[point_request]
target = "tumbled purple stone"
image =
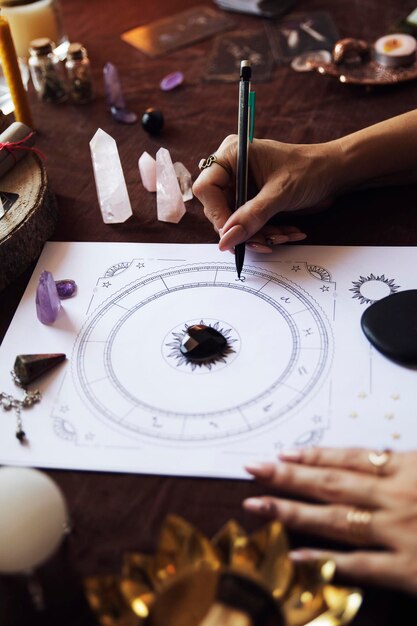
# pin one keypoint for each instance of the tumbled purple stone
(66, 288)
(48, 303)
(171, 81)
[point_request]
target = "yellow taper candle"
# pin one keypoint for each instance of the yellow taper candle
(12, 75)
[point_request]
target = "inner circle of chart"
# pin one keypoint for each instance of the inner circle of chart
(284, 349)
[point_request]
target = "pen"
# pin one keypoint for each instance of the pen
(244, 120)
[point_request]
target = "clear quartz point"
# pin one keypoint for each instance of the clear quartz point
(184, 180)
(110, 181)
(147, 170)
(169, 202)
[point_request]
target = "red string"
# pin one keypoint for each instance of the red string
(12, 146)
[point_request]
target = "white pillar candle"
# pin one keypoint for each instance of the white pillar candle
(395, 50)
(31, 19)
(33, 518)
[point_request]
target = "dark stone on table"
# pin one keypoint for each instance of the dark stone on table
(152, 121)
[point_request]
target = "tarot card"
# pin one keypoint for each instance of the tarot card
(176, 31)
(229, 50)
(300, 33)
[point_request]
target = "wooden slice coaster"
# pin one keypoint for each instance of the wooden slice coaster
(29, 221)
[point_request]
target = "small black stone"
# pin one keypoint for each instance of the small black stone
(390, 325)
(202, 343)
(152, 121)
(21, 435)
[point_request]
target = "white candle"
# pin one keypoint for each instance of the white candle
(395, 50)
(33, 518)
(31, 19)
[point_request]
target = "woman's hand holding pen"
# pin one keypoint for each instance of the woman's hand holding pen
(288, 178)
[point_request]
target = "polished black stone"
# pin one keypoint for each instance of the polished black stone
(390, 325)
(202, 343)
(152, 121)
(29, 367)
(21, 436)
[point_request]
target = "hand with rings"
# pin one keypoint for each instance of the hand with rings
(362, 497)
(287, 178)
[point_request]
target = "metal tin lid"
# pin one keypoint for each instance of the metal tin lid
(41, 46)
(76, 51)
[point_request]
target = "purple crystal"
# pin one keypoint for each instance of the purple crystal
(114, 96)
(123, 115)
(171, 81)
(66, 288)
(48, 303)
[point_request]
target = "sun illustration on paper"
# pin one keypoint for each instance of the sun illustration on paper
(369, 289)
(172, 347)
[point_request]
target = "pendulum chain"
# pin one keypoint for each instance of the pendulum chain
(9, 402)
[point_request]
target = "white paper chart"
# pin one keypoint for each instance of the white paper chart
(296, 371)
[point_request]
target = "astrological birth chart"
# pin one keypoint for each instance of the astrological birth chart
(295, 369)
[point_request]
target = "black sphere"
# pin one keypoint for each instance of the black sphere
(152, 121)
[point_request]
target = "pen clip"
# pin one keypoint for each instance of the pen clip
(252, 99)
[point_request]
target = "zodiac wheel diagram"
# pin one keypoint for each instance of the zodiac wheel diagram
(130, 371)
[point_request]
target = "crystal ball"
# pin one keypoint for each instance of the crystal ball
(152, 121)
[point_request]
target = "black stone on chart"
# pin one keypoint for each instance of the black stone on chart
(390, 325)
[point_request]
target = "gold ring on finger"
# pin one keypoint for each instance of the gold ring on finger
(378, 459)
(205, 163)
(359, 524)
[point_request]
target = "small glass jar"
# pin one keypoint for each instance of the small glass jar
(78, 70)
(31, 19)
(46, 71)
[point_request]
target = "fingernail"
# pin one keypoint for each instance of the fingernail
(277, 239)
(297, 236)
(260, 470)
(258, 247)
(236, 234)
(290, 455)
(303, 555)
(220, 231)
(254, 504)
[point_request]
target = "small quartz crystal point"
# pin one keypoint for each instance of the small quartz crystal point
(29, 367)
(169, 202)
(184, 180)
(66, 288)
(110, 181)
(48, 303)
(114, 96)
(147, 171)
(201, 343)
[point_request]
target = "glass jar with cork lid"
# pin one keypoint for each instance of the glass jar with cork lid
(78, 69)
(32, 19)
(46, 71)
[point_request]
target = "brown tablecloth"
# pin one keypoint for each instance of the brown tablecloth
(112, 513)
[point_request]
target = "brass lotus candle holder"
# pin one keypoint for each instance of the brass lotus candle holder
(232, 580)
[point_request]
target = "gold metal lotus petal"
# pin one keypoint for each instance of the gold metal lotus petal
(316, 572)
(107, 602)
(305, 600)
(274, 566)
(302, 605)
(232, 545)
(343, 604)
(136, 584)
(180, 545)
